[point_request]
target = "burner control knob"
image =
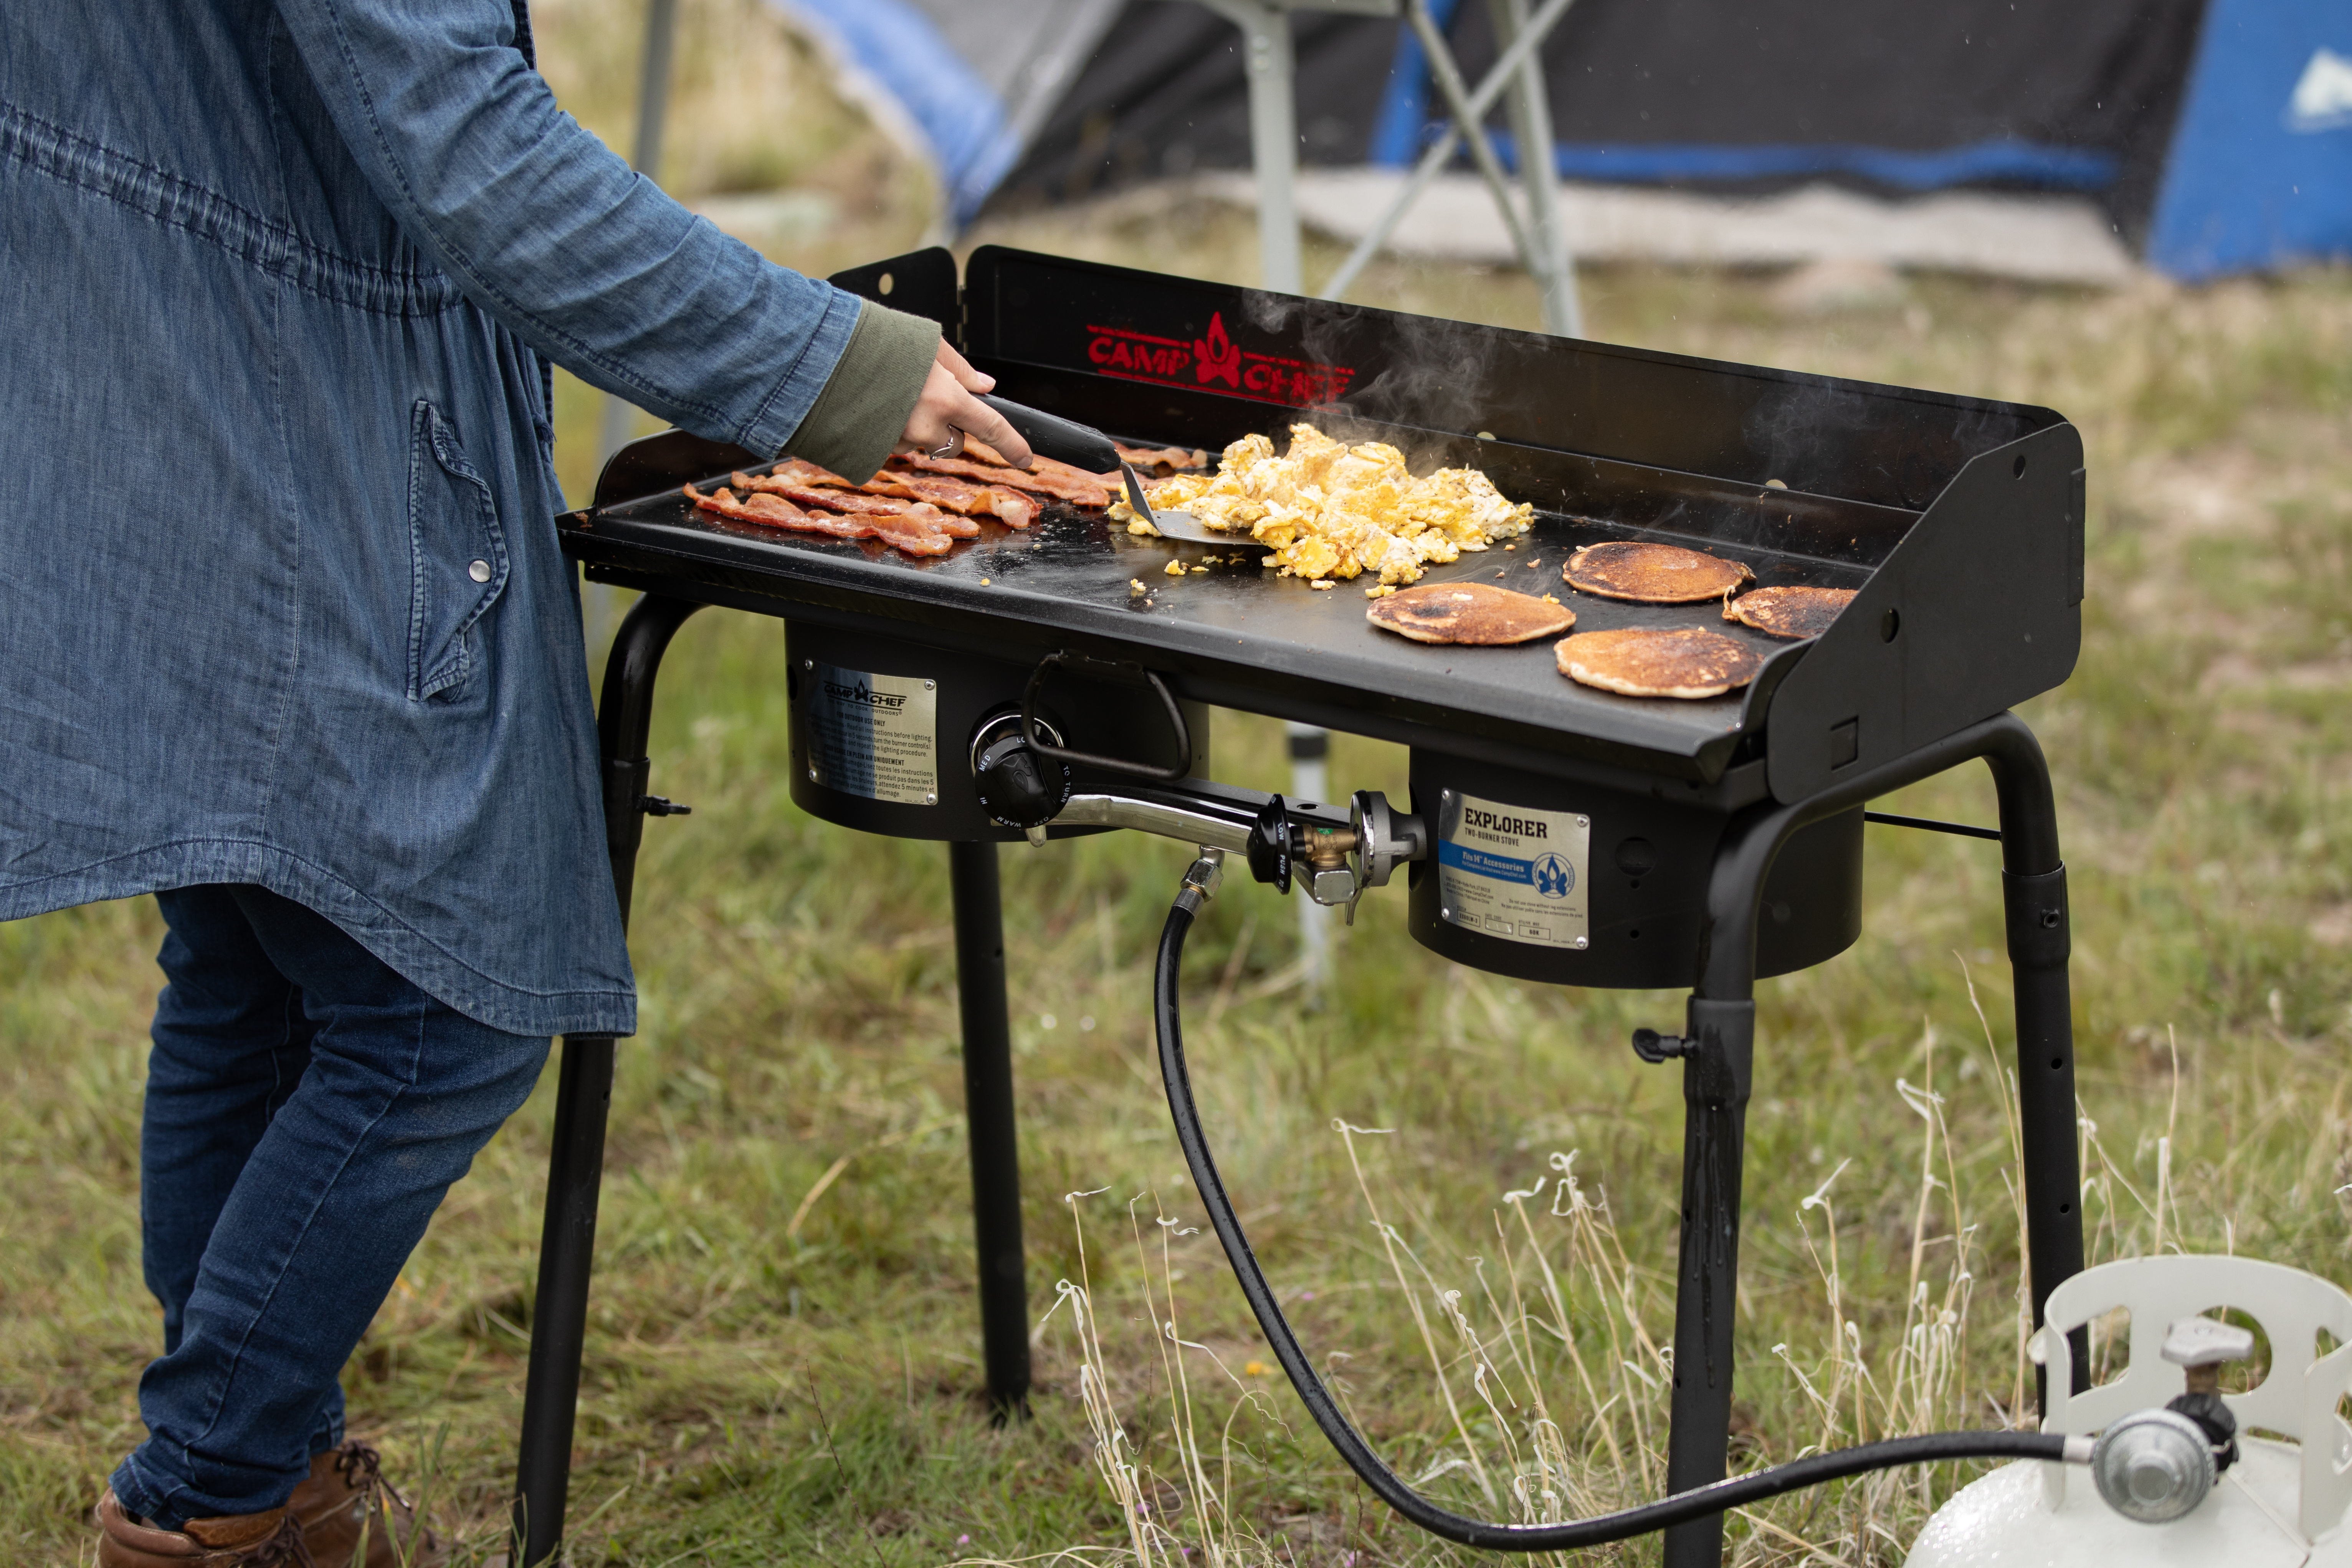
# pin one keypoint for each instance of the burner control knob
(1017, 787)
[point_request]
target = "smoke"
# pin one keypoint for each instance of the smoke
(1433, 378)
(1862, 443)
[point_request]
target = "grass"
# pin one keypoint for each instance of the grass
(783, 1373)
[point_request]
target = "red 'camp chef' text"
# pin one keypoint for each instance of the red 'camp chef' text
(1216, 362)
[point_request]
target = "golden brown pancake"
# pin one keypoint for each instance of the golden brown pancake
(1788, 612)
(1473, 613)
(1686, 662)
(1652, 573)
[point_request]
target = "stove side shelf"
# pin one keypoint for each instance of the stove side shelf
(1979, 609)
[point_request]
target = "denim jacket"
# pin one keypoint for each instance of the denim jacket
(279, 282)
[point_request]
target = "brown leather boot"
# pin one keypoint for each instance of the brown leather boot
(353, 1518)
(270, 1540)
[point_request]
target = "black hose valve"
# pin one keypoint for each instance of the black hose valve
(1272, 846)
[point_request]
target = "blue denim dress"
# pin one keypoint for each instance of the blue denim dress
(283, 602)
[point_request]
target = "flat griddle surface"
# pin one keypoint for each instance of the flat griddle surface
(1067, 582)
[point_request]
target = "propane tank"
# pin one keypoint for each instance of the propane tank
(2178, 1477)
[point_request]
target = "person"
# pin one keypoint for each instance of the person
(292, 645)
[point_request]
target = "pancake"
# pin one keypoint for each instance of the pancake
(1686, 662)
(1652, 573)
(1788, 612)
(1477, 614)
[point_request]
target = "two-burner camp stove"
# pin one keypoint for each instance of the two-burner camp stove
(1024, 686)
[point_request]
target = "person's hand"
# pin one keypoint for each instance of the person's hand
(948, 410)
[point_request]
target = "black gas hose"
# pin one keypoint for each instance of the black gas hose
(1392, 1488)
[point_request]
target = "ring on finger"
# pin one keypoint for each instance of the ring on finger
(950, 447)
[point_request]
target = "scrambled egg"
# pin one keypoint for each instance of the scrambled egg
(1336, 511)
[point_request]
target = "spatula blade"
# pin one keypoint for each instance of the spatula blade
(1182, 526)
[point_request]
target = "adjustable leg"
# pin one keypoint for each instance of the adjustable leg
(1718, 1064)
(1720, 1052)
(2034, 901)
(989, 1115)
(584, 1097)
(559, 1323)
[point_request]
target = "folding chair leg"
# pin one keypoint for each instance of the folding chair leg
(1274, 137)
(1516, 53)
(1531, 110)
(1471, 119)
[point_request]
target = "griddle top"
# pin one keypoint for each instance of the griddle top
(1959, 520)
(1068, 582)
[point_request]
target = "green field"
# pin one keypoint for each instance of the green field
(783, 1364)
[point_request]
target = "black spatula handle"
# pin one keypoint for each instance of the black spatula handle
(1050, 436)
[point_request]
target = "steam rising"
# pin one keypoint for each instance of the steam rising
(1432, 377)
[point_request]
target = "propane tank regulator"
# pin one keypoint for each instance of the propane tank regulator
(2155, 1465)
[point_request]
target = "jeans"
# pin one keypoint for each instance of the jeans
(307, 1108)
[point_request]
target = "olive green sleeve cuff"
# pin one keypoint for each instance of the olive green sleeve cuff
(862, 410)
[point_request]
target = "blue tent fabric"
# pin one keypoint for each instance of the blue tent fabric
(2260, 173)
(901, 47)
(1398, 133)
(2218, 133)
(2004, 160)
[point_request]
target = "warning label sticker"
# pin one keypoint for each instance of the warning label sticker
(1510, 872)
(873, 735)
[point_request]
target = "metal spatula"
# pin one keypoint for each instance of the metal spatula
(1084, 446)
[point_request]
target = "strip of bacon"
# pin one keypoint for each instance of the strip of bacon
(1072, 485)
(909, 535)
(895, 519)
(1009, 506)
(775, 512)
(1160, 462)
(860, 504)
(1039, 466)
(953, 496)
(801, 471)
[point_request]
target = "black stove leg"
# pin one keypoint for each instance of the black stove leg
(2033, 898)
(1720, 1060)
(583, 1095)
(989, 1116)
(1717, 1068)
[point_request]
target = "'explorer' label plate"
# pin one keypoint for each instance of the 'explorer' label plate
(1509, 872)
(874, 735)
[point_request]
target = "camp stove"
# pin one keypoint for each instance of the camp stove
(1033, 686)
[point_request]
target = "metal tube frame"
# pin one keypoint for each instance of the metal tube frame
(990, 1123)
(584, 1098)
(1719, 1064)
(1718, 1075)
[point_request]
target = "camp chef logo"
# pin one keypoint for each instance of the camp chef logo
(860, 694)
(1214, 359)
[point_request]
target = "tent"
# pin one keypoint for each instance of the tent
(2216, 135)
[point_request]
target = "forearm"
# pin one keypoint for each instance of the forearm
(545, 229)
